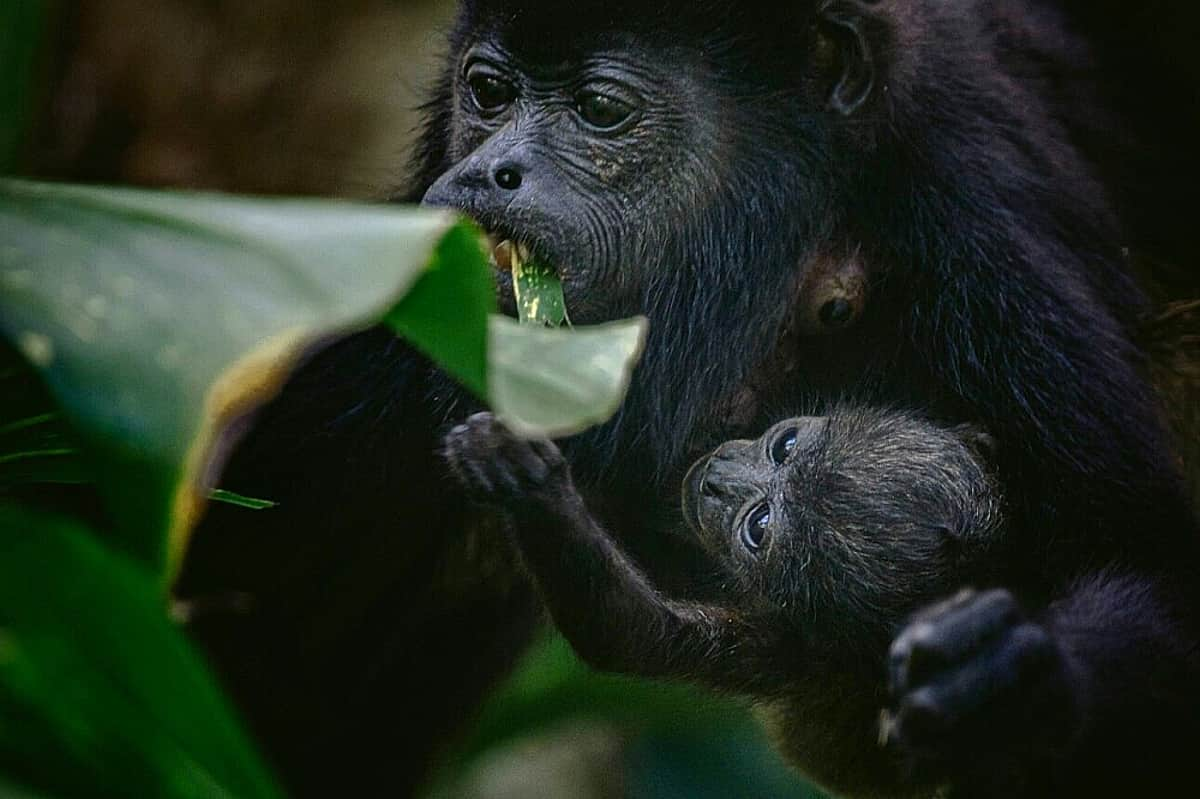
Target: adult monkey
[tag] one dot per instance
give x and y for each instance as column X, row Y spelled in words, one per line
column 807, row 199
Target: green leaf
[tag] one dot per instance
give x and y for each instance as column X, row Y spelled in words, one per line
column 686, row 741
column 21, row 28
column 233, row 498
column 558, row 381
column 542, row 382
column 100, row 695
column 445, row 315
column 36, row 444
column 538, row 292
column 158, row 319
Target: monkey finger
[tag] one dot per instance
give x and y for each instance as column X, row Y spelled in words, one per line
column 947, row 634
column 479, row 479
column 995, row 695
column 464, row 462
column 549, row 452
column 454, row 450
column 527, row 462
column 488, row 430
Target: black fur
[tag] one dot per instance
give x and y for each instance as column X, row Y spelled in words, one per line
column 829, row 532
column 926, row 140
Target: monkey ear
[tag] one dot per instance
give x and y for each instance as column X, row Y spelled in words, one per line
column 846, row 26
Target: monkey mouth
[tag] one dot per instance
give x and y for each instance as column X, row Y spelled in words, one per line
column 507, row 250
column 504, row 253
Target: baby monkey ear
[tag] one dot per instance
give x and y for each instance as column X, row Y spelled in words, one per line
column 854, row 28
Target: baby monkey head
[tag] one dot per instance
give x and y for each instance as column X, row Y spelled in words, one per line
column 859, row 517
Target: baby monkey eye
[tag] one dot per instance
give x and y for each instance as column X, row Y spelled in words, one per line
column 601, row 111
column 490, row 91
column 783, row 445
column 756, row 527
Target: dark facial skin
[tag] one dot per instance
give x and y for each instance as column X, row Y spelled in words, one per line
column 646, row 170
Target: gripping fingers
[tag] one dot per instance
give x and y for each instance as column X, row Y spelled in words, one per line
column 465, row 465
column 498, row 467
column 977, row 685
column 946, row 633
column 958, row 704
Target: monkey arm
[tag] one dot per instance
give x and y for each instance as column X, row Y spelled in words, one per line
column 615, row 618
column 609, row 610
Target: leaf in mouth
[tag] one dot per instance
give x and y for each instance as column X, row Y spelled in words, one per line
column 538, row 291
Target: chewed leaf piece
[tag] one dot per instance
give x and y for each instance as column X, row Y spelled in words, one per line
column 538, row 291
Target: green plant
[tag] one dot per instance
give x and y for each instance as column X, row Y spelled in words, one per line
column 155, row 321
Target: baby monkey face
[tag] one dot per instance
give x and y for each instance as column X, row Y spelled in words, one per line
column 853, row 511
column 731, row 496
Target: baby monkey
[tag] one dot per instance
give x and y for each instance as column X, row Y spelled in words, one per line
column 830, row 533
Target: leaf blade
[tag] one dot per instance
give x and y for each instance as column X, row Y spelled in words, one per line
column 158, row 319
column 99, row 693
column 556, row 381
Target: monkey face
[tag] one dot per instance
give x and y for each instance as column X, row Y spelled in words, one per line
column 730, row 495
column 863, row 512
column 631, row 162
column 573, row 157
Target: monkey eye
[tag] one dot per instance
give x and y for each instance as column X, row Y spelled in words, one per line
column 783, row 445
column 755, row 528
column 602, row 111
column 489, row 90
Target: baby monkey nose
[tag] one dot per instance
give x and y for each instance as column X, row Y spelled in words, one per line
column 722, row 475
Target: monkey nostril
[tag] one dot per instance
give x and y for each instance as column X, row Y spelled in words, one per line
column 717, row 481
column 508, row 178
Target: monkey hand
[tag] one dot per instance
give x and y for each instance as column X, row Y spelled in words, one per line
column 498, row 468
column 980, row 693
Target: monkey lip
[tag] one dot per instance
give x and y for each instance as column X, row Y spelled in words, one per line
column 506, row 251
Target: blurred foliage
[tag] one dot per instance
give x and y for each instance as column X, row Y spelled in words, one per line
column 678, row 741
column 100, row 695
column 267, row 97
column 143, row 328
column 158, row 320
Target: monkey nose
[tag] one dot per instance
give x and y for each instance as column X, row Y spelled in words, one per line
column 720, row 478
